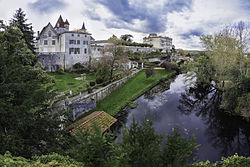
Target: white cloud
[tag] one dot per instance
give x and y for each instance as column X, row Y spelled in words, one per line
column 183, row 26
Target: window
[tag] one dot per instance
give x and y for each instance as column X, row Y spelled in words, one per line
column 45, row 42
column 85, row 35
column 49, row 33
column 78, row 35
column 85, row 51
column 71, row 50
column 85, row 42
column 72, row 35
column 77, row 50
column 72, row 41
column 74, row 50
column 53, row 42
column 78, row 41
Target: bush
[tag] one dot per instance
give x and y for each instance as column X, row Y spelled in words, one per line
column 92, row 83
column 60, row 71
column 99, row 80
column 169, row 66
column 149, row 72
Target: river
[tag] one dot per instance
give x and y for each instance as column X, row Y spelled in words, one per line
column 194, row 112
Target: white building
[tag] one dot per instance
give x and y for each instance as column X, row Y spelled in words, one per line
column 58, row 47
column 159, row 42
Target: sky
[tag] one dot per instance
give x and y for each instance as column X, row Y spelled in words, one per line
column 183, row 20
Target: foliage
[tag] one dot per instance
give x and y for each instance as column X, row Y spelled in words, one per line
column 26, row 28
column 169, row 66
column 133, row 105
column 99, row 80
column 129, row 91
column 26, row 125
column 226, row 65
column 149, row 72
column 177, row 149
column 53, row 159
column 140, row 145
column 203, row 70
column 103, row 69
column 233, row 161
column 92, row 83
column 79, row 68
column 236, row 98
column 94, row 149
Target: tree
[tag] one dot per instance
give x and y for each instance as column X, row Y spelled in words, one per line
column 26, row 126
column 177, row 149
column 26, row 28
column 103, row 68
column 127, row 37
column 225, row 50
column 94, row 148
column 140, row 145
column 114, row 53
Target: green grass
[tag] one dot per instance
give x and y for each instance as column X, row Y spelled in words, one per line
column 67, row 81
column 130, row 91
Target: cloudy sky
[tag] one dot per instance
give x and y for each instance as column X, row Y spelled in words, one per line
column 182, row 20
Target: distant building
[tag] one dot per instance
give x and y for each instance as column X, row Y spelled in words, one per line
column 159, row 42
column 58, row 47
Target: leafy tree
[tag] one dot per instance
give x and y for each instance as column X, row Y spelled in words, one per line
column 26, row 28
column 114, row 53
column 93, row 148
column 103, row 69
column 26, row 126
column 140, row 145
column 177, row 150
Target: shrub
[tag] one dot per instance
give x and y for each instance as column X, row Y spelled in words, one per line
column 92, row 83
column 149, row 72
column 169, row 66
column 60, row 71
column 99, row 80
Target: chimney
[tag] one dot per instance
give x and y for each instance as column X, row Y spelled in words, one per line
column 38, row 33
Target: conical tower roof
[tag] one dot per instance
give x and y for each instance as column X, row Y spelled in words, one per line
column 60, row 22
column 83, row 27
column 66, row 22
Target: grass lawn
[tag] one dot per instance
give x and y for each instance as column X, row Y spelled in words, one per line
column 67, row 81
column 129, row 91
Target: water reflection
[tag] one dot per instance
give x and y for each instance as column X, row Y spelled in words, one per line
column 228, row 134
column 194, row 110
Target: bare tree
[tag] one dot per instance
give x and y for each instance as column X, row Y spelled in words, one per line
column 114, row 53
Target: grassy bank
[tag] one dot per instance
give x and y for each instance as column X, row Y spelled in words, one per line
column 66, row 80
column 130, row 91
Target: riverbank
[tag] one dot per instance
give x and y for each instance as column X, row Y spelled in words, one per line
column 134, row 88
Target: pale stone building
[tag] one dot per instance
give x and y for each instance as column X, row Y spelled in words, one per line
column 58, row 47
column 159, row 42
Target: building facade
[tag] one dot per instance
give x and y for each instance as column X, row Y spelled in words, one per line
column 60, row 48
column 159, row 42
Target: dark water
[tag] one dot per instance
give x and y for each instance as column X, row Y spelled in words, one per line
column 194, row 112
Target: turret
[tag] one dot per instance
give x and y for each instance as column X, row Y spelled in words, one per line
column 66, row 25
column 83, row 27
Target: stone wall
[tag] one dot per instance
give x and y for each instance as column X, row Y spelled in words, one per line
column 84, row 103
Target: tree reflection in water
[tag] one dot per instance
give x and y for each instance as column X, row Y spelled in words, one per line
column 230, row 134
